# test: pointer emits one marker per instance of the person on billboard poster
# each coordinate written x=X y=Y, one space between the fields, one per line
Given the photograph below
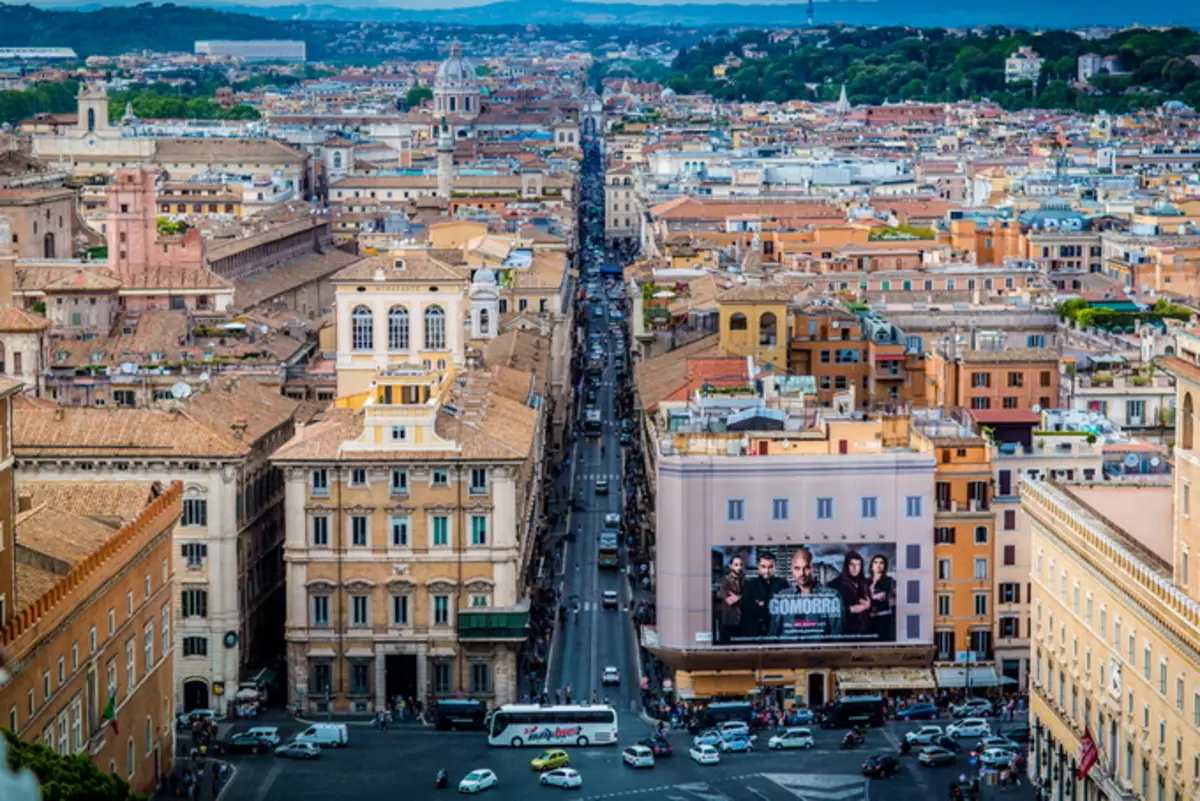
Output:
x=757 y=592
x=883 y=600
x=729 y=599
x=806 y=610
x=855 y=589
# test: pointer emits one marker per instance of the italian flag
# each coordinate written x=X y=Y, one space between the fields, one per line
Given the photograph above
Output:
x=110 y=713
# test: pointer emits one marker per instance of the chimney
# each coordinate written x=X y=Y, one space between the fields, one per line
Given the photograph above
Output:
x=58 y=414
x=239 y=426
x=24 y=502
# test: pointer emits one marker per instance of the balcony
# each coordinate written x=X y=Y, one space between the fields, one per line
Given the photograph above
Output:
x=493 y=624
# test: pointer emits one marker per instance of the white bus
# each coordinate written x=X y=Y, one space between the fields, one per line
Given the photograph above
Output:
x=526 y=724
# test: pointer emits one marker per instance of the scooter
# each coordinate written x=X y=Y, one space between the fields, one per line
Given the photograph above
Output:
x=442 y=779
x=849 y=742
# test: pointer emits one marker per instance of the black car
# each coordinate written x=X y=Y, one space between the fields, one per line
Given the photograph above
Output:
x=658 y=744
x=243 y=744
x=949 y=743
x=879 y=767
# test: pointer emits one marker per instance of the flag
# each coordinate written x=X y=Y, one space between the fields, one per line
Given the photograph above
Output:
x=1088 y=754
x=110 y=713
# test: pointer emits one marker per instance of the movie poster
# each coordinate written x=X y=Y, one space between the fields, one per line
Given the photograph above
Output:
x=819 y=593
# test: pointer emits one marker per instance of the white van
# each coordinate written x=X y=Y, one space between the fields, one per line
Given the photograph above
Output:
x=333 y=735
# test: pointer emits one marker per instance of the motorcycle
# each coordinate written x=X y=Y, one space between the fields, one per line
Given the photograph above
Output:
x=905 y=748
x=442 y=779
x=850 y=741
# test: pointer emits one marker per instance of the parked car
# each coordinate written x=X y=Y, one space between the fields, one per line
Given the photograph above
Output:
x=477 y=781
x=792 y=738
x=947 y=742
x=924 y=735
x=638 y=756
x=969 y=727
x=934 y=755
x=802 y=716
x=610 y=676
x=243 y=743
x=561 y=777
x=880 y=767
x=1018 y=734
x=918 y=712
x=188 y=718
x=298 y=751
x=658 y=745
x=704 y=755
x=995 y=741
x=549 y=760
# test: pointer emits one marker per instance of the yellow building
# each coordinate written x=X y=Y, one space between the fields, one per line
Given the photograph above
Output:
x=754 y=322
x=1116 y=627
x=411 y=508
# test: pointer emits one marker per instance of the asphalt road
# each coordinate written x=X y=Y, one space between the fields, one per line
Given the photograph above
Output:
x=402 y=763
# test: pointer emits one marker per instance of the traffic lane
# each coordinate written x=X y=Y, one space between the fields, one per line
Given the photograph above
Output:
x=366 y=768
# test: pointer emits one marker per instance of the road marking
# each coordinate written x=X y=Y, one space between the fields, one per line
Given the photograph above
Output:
x=272 y=775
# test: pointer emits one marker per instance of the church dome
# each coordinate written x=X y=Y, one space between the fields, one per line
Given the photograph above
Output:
x=455 y=69
x=484 y=276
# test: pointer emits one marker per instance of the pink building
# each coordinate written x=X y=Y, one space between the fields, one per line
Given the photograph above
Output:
x=819 y=507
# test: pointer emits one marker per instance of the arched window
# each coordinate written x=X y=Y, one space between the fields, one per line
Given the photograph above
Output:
x=1185 y=434
x=91 y=119
x=397 y=328
x=483 y=322
x=737 y=322
x=48 y=246
x=766 y=329
x=435 y=328
x=362 y=329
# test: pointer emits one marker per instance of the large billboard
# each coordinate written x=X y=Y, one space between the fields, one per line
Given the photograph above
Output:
x=821 y=593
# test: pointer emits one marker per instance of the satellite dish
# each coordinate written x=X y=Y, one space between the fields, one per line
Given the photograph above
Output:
x=1036 y=408
x=205 y=377
x=1131 y=460
x=1155 y=462
x=180 y=391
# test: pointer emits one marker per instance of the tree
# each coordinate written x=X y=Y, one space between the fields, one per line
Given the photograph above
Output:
x=418 y=95
x=66 y=778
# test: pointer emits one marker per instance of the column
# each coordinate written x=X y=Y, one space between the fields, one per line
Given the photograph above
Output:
x=424 y=688
x=380 y=677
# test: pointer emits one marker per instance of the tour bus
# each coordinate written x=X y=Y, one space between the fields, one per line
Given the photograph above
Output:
x=719 y=712
x=608 y=558
x=592 y=422
x=456 y=714
x=524 y=724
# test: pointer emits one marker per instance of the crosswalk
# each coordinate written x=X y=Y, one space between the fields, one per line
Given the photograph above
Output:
x=598 y=476
x=755 y=787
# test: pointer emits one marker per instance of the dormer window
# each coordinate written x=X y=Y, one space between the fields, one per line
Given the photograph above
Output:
x=398 y=264
x=97 y=356
x=61 y=356
x=156 y=355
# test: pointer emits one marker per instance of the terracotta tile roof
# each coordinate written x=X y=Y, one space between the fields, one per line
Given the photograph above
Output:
x=82 y=280
x=61 y=535
x=546 y=271
x=658 y=377
x=727 y=371
x=993 y=416
x=522 y=349
x=251 y=290
x=13 y=319
x=419 y=265
x=33 y=583
x=199 y=428
x=211 y=150
x=750 y=293
x=110 y=501
x=1009 y=355
x=164 y=277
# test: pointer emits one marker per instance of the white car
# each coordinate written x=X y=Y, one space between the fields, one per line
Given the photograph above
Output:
x=477 y=781
x=561 y=777
x=704 y=755
x=268 y=734
x=731 y=728
x=972 y=707
x=969 y=727
x=610 y=676
x=926 y=735
x=298 y=751
x=792 y=738
x=609 y=599
x=997 y=757
x=638 y=756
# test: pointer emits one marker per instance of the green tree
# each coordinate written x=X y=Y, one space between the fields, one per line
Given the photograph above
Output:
x=66 y=778
x=417 y=95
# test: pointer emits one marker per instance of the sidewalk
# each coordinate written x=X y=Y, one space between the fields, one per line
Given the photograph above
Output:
x=204 y=787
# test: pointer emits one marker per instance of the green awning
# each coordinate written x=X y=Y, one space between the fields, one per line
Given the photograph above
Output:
x=264 y=676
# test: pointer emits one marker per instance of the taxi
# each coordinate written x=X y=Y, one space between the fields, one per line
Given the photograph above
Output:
x=549 y=760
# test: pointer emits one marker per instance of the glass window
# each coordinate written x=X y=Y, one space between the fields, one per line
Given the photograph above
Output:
x=398 y=328
x=399 y=532
x=735 y=510
x=779 y=509
x=195 y=512
x=441 y=530
x=824 y=508
x=362 y=329
x=360 y=610
x=870 y=508
x=435 y=328
x=441 y=610
x=912 y=506
x=399 y=481
x=399 y=610
x=320 y=610
x=320 y=530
